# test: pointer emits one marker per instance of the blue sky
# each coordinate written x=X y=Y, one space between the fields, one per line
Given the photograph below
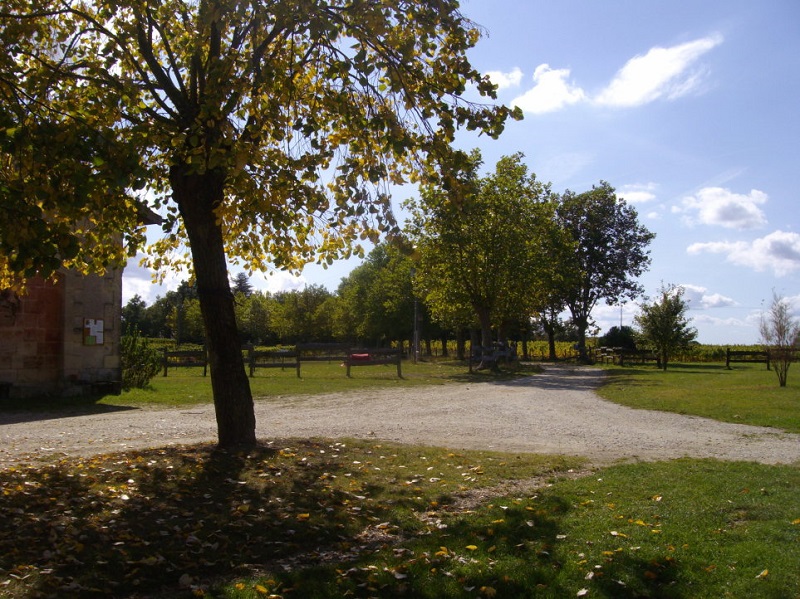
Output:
x=689 y=109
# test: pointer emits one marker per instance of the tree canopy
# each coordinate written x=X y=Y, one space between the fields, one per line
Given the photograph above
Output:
x=265 y=132
x=663 y=324
x=610 y=252
x=481 y=252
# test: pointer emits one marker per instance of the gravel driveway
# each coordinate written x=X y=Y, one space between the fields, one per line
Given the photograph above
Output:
x=553 y=412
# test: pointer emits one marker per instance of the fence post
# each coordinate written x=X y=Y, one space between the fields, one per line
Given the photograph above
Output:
x=728 y=358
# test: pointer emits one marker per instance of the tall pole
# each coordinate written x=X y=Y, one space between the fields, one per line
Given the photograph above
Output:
x=415 y=336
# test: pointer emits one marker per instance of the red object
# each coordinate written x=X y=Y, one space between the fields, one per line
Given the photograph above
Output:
x=359 y=357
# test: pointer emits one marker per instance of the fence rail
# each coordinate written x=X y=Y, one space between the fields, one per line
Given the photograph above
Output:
x=753 y=356
x=291 y=358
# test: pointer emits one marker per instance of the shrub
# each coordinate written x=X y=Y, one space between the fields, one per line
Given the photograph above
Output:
x=140 y=362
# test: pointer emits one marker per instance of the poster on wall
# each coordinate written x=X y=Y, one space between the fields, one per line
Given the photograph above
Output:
x=92 y=331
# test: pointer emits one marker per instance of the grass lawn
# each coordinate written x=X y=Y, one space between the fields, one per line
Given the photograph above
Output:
x=747 y=394
x=331 y=519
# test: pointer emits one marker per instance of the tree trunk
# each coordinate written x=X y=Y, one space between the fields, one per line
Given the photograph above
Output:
x=484 y=318
x=461 y=344
x=197 y=196
x=582 y=325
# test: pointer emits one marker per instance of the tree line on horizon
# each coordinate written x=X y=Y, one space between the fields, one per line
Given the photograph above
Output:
x=504 y=260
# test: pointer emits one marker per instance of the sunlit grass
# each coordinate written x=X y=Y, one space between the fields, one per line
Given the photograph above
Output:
x=746 y=394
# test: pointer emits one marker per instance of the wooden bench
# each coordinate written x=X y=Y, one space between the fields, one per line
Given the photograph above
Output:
x=322 y=352
x=273 y=358
x=752 y=356
x=605 y=355
x=639 y=356
x=374 y=357
x=185 y=358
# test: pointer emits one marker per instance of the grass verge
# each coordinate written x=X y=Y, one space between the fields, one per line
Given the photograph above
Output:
x=358 y=519
x=747 y=394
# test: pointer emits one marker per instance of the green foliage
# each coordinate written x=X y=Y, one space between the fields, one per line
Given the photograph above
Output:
x=619 y=337
x=480 y=250
x=611 y=251
x=376 y=299
x=265 y=132
x=139 y=361
x=663 y=324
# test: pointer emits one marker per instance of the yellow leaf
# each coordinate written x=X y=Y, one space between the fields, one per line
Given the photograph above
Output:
x=303 y=516
x=796 y=521
x=239 y=586
x=261 y=590
x=472 y=547
x=763 y=574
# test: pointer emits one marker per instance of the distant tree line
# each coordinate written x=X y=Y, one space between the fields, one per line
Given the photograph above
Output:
x=503 y=259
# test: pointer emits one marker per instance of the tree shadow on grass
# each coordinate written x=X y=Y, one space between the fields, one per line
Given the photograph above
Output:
x=178 y=521
x=166 y=520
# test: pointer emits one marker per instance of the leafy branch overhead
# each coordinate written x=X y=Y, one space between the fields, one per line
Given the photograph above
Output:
x=300 y=107
x=267 y=133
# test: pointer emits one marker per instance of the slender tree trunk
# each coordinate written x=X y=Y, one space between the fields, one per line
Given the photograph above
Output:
x=582 y=324
x=461 y=344
x=484 y=318
x=549 y=326
x=197 y=195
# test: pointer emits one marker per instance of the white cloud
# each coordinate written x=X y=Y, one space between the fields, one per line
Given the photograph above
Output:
x=551 y=91
x=661 y=73
x=506 y=80
x=699 y=298
x=276 y=281
x=138 y=280
x=778 y=251
x=720 y=206
x=638 y=193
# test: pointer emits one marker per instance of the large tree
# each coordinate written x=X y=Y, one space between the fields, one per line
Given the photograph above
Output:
x=610 y=252
x=263 y=130
x=483 y=249
x=663 y=324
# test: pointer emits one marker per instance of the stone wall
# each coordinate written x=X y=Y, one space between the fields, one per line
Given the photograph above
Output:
x=44 y=345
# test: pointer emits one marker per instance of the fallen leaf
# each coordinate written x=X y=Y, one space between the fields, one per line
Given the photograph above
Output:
x=763 y=574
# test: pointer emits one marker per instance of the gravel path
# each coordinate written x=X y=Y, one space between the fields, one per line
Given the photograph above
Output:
x=553 y=412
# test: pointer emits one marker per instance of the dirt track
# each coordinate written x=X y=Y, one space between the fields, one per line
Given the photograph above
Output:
x=553 y=412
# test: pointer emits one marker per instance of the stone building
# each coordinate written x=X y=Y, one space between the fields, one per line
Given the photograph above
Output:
x=62 y=336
